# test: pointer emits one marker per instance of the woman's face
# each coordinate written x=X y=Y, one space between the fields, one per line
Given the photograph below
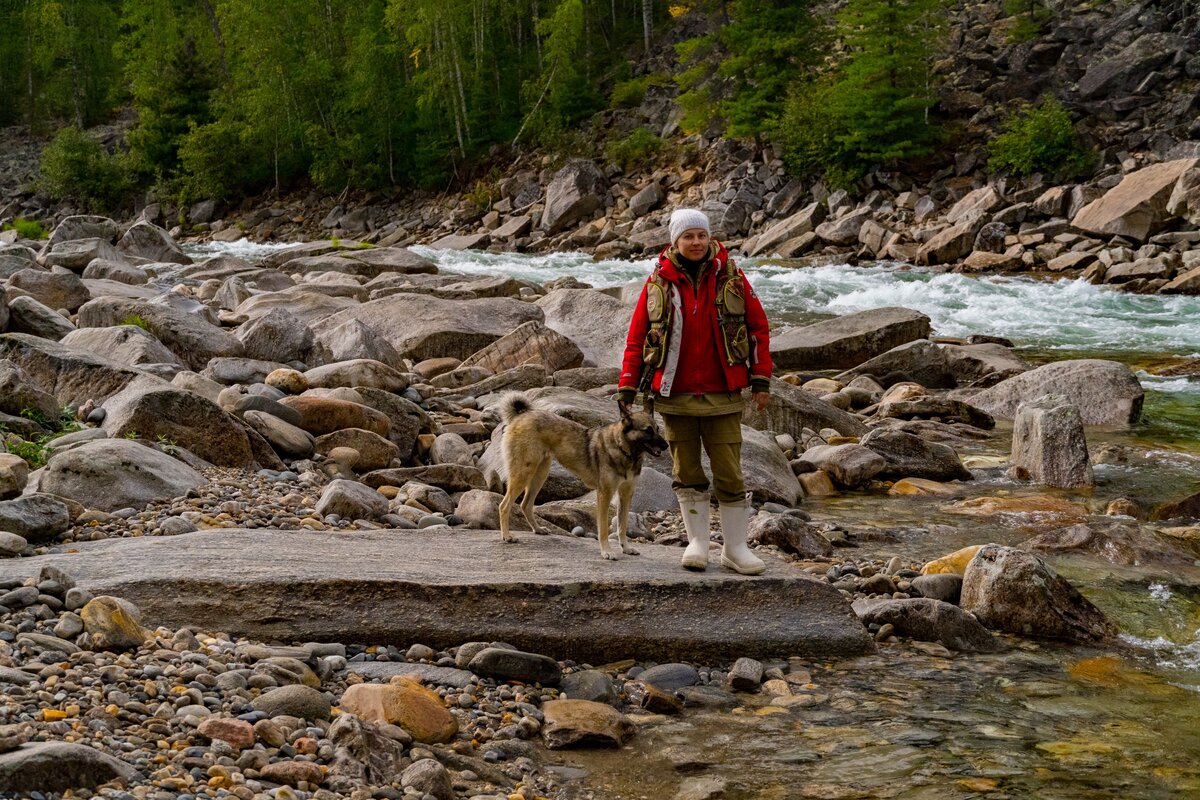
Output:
x=693 y=243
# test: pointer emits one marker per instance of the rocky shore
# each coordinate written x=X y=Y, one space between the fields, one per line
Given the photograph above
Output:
x=204 y=458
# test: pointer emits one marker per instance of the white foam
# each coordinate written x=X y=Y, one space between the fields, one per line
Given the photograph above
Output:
x=1160 y=592
x=1169 y=654
x=242 y=248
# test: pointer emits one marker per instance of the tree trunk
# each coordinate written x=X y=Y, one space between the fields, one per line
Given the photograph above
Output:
x=647 y=21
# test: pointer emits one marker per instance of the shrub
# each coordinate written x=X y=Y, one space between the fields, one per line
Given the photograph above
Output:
x=631 y=93
x=635 y=150
x=77 y=167
x=1039 y=139
x=26 y=228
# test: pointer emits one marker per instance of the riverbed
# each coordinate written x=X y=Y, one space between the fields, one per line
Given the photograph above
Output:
x=1038 y=720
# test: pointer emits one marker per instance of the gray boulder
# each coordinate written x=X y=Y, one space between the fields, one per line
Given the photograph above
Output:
x=1049 y=443
x=789 y=533
x=940 y=366
x=792 y=409
x=71 y=374
x=595 y=322
x=574 y=193
x=297 y=700
x=20 y=393
x=76 y=254
x=288 y=440
x=504 y=664
x=850 y=465
x=354 y=339
x=53 y=288
x=167 y=413
x=359 y=372
x=34 y=517
x=1121 y=74
x=109 y=474
x=148 y=241
x=82 y=226
x=351 y=500
x=129 y=345
x=932 y=621
x=276 y=336
x=59 y=766
x=847 y=341
x=530 y=343
x=192 y=339
x=26 y=315
x=1014 y=591
x=909 y=456
x=1105 y=392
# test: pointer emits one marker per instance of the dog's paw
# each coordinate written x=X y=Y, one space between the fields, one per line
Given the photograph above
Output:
x=630 y=550
x=510 y=540
x=609 y=556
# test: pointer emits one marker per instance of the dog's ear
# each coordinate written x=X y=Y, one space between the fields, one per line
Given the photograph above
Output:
x=626 y=411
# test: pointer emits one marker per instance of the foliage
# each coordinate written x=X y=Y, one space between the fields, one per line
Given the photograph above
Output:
x=74 y=165
x=33 y=450
x=27 y=228
x=637 y=149
x=631 y=93
x=137 y=321
x=1032 y=17
x=1040 y=138
x=874 y=108
x=739 y=74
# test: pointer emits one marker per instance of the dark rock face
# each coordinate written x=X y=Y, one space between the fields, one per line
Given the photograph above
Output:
x=933 y=621
x=909 y=456
x=1014 y=591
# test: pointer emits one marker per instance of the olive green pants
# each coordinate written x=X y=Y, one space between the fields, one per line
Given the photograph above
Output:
x=721 y=438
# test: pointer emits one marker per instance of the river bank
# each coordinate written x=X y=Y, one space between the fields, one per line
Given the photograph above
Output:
x=242 y=380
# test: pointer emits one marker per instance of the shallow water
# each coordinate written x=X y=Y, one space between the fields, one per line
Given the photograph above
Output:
x=1040 y=720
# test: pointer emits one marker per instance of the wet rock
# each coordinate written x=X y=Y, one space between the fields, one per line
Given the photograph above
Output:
x=582 y=723
x=907 y=456
x=1127 y=545
x=932 y=621
x=589 y=684
x=847 y=341
x=670 y=677
x=952 y=564
x=1186 y=508
x=59 y=766
x=495 y=662
x=745 y=675
x=789 y=533
x=946 y=586
x=1049 y=442
x=1105 y=392
x=402 y=702
x=1014 y=591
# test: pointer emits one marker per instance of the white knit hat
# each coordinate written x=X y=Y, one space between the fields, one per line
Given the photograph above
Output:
x=684 y=219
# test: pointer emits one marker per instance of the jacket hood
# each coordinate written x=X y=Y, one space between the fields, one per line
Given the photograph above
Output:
x=668 y=267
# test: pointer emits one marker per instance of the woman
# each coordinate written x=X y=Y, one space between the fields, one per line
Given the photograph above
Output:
x=699 y=336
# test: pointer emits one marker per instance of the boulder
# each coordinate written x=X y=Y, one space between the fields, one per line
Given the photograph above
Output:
x=110 y=474
x=276 y=336
x=1105 y=392
x=843 y=231
x=1114 y=543
x=1187 y=283
x=354 y=339
x=52 y=288
x=421 y=326
x=321 y=415
x=946 y=586
x=428 y=778
x=792 y=409
x=514 y=665
x=297 y=700
x=237 y=732
x=58 y=767
x=234 y=371
x=187 y=335
x=1186 y=508
x=804 y=221
x=847 y=341
x=945 y=409
x=789 y=533
x=1014 y=591
x=288 y=440
x=26 y=315
x=404 y=703
x=14 y=474
x=20 y=395
x=351 y=500
x=766 y=470
x=128 y=345
x=72 y=375
x=470 y=241
x=646 y=200
x=113 y=624
x=908 y=456
x=374 y=451
x=975 y=205
x=406 y=419
x=1049 y=443
x=82 y=226
x=148 y=241
x=532 y=342
x=595 y=322
x=930 y=620
x=573 y=194
x=364 y=372
x=363 y=755
x=850 y=465
x=176 y=416
x=1185 y=197
x=34 y=517
x=76 y=254
x=1161 y=267
x=949 y=245
x=1136 y=208
x=582 y=722
x=940 y=366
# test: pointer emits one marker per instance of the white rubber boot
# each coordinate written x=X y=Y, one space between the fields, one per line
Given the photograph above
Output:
x=736 y=555
x=697 y=514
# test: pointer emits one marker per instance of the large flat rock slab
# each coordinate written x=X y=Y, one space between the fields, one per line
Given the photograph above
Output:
x=548 y=594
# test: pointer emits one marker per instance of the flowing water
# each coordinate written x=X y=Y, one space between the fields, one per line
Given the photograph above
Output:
x=1040 y=720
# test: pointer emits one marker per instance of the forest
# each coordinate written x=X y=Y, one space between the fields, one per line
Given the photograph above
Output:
x=234 y=97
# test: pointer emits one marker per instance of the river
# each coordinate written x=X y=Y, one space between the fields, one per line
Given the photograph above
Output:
x=1040 y=720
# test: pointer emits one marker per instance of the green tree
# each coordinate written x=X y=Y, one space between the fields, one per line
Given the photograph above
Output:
x=1039 y=138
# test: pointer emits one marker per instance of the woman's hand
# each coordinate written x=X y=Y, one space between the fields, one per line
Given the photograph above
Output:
x=761 y=399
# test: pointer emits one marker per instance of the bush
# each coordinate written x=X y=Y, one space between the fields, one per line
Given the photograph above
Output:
x=77 y=167
x=631 y=93
x=222 y=160
x=635 y=150
x=27 y=228
x=1039 y=139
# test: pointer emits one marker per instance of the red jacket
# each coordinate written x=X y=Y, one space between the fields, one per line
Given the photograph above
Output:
x=698 y=364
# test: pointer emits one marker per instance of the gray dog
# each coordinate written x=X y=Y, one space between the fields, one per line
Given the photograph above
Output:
x=607 y=458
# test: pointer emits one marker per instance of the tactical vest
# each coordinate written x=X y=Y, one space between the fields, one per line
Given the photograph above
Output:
x=731 y=317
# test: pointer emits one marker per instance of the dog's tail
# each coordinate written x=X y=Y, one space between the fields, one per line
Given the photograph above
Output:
x=512 y=405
